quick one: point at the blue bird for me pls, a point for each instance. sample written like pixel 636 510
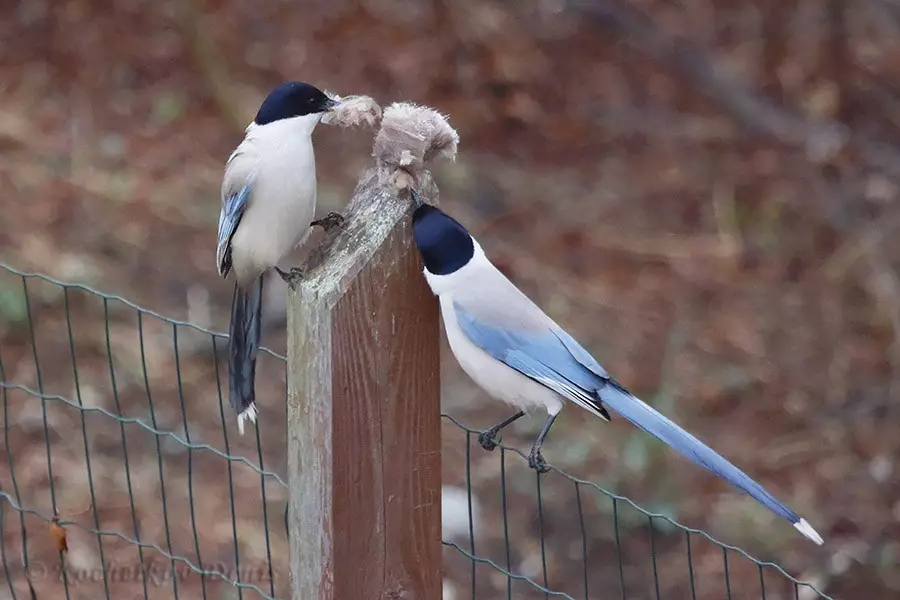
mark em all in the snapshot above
pixel 519 355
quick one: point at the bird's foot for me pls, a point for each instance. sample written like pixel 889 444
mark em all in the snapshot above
pixel 537 462
pixel 332 219
pixel 290 277
pixel 488 439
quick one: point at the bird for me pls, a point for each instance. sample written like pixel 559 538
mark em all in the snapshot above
pixel 517 354
pixel 268 204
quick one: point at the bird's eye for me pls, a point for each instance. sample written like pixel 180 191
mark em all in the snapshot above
pixel 312 100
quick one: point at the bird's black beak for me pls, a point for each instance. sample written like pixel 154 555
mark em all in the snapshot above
pixel 331 104
pixel 416 198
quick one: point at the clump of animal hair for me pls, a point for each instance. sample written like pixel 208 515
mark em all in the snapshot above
pixel 411 136
pixel 353 111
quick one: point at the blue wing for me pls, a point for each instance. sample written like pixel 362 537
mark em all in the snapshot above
pixel 229 218
pixel 541 356
pixel 580 354
pixel 556 360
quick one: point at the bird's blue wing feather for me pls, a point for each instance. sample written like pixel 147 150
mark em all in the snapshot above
pixel 539 355
pixel 583 357
pixel 232 210
pixel 556 360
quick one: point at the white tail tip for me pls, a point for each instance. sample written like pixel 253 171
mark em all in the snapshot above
pixel 806 529
pixel 250 414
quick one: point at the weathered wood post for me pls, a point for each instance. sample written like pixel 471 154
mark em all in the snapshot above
pixel 364 411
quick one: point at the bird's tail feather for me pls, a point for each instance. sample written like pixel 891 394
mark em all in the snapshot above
pixel 246 312
pixel 644 416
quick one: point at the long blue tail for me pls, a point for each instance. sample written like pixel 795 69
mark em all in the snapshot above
pixel 644 416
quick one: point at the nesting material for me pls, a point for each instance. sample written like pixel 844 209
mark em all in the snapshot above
pixel 353 111
pixel 411 136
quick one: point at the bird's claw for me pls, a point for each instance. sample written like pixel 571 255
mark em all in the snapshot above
pixel 332 219
pixel 537 462
pixel 488 439
pixel 290 277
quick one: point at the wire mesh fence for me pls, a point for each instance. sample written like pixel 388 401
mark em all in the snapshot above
pixel 621 549
pixel 116 432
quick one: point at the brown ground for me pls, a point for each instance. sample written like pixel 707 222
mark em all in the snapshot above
pixel 697 230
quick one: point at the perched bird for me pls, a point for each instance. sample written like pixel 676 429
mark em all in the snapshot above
pixel 518 354
pixel 268 203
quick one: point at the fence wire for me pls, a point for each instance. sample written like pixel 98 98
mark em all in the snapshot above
pixel 629 578
pixel 120 439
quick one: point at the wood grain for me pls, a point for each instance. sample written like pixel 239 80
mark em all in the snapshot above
pixel 364 413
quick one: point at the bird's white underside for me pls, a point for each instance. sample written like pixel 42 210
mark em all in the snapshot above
pixel 278 161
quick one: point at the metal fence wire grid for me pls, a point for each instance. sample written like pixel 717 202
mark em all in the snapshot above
pixel 123 477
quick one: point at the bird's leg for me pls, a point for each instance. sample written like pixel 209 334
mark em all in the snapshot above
pixel 488 438
pixel 290 277
pixel 332 219
pixel 535 460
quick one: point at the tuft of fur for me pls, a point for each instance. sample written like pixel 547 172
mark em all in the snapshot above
pixel 411 136
pixel 353 111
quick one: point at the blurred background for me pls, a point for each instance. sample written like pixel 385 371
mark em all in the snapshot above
pixel 703 192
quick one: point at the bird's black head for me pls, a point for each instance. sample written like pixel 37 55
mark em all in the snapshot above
pixel 293 99
pixel 444 244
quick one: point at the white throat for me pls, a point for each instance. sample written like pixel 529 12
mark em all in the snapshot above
pixel 295 126
pixel 441 284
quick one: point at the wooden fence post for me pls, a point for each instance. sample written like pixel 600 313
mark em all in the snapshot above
pixel 364 446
